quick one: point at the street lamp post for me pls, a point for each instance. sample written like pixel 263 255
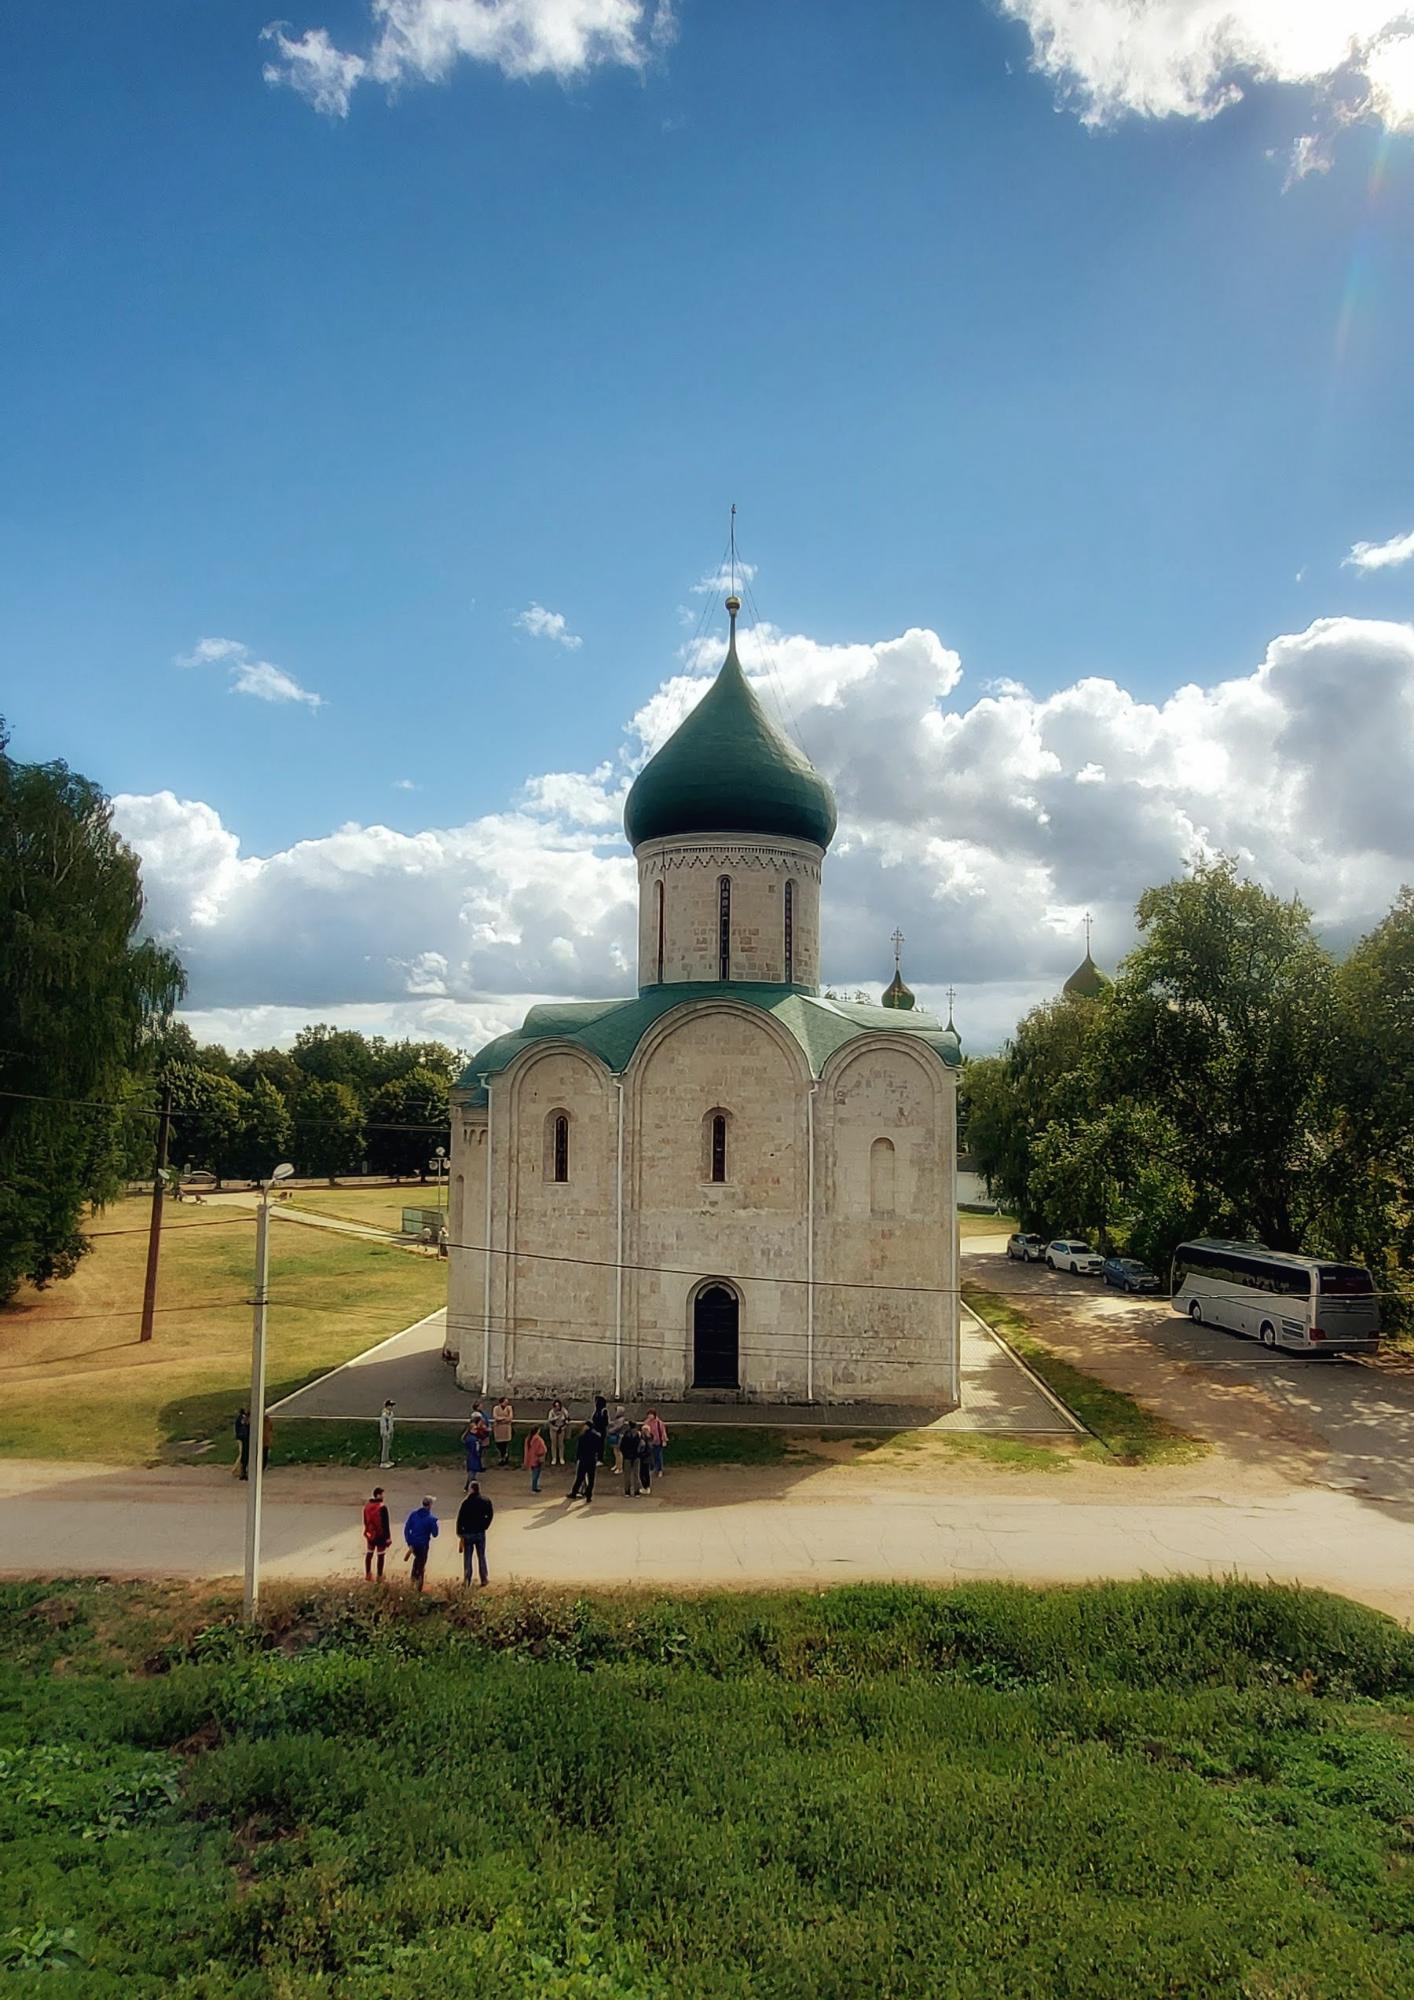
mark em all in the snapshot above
pixel 440 1161
pixel 255 1457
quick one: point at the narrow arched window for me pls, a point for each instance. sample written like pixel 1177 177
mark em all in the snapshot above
pixel 660 899
pixel 881 1177
pixel 557 1146
pixel 790 933
pixel 724 927
pixel 719 1146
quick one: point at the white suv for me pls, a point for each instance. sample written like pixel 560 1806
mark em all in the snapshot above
pixel 1065 1255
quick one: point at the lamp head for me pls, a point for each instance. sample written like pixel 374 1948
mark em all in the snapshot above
pixel 283 1172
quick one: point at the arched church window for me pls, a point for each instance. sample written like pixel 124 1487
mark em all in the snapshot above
pixel 557 1146
pixel 724 927
pixel 714 1145
pixel 790 933
pixel 881 1177
pixel 660 900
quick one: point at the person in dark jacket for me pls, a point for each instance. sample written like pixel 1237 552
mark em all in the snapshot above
pixel 242 1430
pixel 377 1533
pixel 630 1455
pixel 419 1532
pixel 474 1517
pixel 588 1445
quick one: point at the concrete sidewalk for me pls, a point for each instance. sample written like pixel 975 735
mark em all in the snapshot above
pixel 998 1395
pixel 820 1524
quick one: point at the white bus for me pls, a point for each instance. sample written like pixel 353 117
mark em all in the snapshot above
pixel 1308 1304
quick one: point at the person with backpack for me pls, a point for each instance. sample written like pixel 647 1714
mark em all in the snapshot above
pixel 474 1517
pixel 377 1534
pixel 471 1445
pixel 419 1532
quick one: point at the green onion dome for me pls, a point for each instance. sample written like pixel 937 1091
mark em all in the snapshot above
pixel 1087 982
pixel 896 994
pixel 728 769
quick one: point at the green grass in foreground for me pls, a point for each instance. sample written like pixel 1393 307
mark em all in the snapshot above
pixel 1191 1789
pixel 1126 1429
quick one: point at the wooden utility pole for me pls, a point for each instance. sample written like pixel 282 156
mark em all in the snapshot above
pixel 154 1233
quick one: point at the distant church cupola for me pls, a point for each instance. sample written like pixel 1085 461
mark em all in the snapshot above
pixel 1087 982
pixel 896 994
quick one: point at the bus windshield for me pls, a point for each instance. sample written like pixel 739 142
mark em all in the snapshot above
pixel 1348 1278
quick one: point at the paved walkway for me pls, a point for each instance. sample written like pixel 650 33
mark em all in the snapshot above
pixel 311 1219
pixel 702 1528
pixel 998 1395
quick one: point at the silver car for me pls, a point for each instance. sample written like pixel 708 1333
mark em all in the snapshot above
pixel 1025 1247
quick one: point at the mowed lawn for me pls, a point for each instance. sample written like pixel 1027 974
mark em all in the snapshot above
pixel 375 1207
pixel 1200 1791
pixel 76 1383
pixel 984 1225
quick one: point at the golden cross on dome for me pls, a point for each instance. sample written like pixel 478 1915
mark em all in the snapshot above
pixel 1089 921
pixel 898 941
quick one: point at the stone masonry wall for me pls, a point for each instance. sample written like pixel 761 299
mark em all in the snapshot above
pixel 690 871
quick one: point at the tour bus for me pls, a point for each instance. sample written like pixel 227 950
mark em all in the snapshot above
pixel 1304 1303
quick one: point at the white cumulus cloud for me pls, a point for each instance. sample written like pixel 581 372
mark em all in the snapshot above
pixel 543 624
pixel 260 678
pixel 983 823
pixel 1382 555
pixel 422 41
pixel 1193 58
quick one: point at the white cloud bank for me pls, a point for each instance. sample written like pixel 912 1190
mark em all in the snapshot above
pixel 542 624
pixel 1193 58
pixel 1382 555
pixel 422 41
pixel 260 678
pixel 984 827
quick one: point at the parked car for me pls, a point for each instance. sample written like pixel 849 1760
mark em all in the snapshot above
pixel 1026 1247
pixel 1130 1275
pixel 1066 1254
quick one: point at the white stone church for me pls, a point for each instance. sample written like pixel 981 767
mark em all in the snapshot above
pixel 732 1186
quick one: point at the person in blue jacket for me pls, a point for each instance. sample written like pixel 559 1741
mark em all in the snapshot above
pixel 419 1532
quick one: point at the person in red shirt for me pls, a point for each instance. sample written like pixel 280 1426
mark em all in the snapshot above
pixel 377 1534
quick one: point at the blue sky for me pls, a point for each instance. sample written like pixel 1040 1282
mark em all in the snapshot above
pixel 355 391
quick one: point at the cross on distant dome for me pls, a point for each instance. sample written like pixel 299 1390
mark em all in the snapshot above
pixel 952 995
pixel 898 942
pixel 1089 921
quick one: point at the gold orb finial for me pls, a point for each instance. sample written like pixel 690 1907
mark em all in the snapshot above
pixel 733 605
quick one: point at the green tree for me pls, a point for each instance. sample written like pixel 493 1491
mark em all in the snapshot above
pixel 275 1065
pixel 1218 1028
pixel 79 994
pixel 335 1055
pixel 1368 1182
pixel 1042 1077
pixel 209 1116
pixel 407 1119
pixel 328 1129
pixel 267 1131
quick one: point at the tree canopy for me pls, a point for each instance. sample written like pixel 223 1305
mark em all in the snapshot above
pixel 80 993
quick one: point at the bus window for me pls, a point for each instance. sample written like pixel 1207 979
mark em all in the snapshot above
pixel 1347 1278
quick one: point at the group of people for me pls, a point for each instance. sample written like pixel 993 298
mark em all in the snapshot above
pixel 611 1438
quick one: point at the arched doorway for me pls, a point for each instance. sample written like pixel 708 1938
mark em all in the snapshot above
pixel 716 1352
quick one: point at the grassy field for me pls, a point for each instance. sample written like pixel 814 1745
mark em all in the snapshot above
pixel 985 1225
pixel 1199 1791
pixel 1125 1430
pixel 77 1384
pixel 375 1207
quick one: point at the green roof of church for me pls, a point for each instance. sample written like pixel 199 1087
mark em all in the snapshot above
pixel 896 994
pixel 613 1029
pixel 1087 981
pixel 728 769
